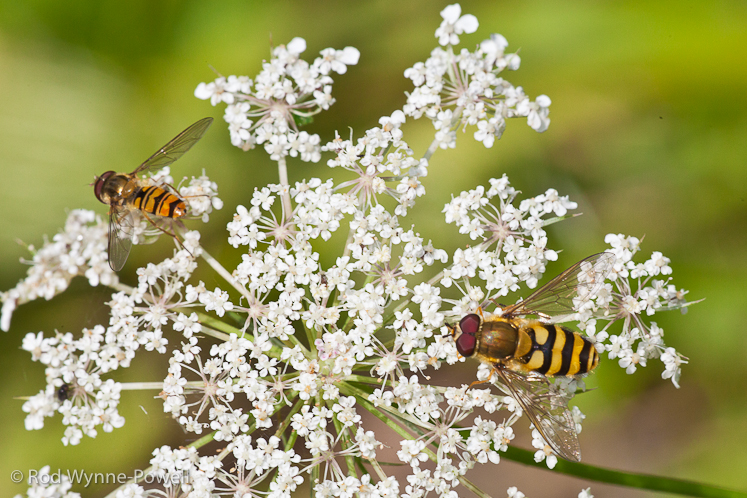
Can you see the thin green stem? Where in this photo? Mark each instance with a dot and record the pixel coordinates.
(214, 333)
(224, 273)
(283, 174)
(628, 479)
(135, 386)
(363, 379)
(216, 324)
(345, 443)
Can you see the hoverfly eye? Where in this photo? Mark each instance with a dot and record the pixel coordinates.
(99, 186)
(465, 344)
(470, 324)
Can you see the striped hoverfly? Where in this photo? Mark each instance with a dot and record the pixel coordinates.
(131, 198)
(524, 352)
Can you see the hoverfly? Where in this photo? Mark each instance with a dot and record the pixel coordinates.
(129, 196)
(525, 352)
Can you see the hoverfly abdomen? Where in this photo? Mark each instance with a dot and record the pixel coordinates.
(159, 201)
(557, 351)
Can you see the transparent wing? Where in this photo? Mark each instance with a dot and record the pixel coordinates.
(176, 147)
(546, 408)
(155, 227)
(121, 229)
(576, 285)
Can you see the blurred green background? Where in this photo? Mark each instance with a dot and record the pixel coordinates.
(648, 134)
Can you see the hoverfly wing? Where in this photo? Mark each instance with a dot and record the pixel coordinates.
(546, 409)
(121, 228)
(575, 286)
(176, 148)
(163, 225)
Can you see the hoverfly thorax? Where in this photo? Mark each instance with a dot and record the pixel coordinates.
(111, 188)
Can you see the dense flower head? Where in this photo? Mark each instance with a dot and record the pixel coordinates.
(266, 110)
(634, 294)
(456, 90)
(280, 358)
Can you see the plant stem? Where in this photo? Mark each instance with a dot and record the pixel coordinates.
(134, 386)
(224, 273)
(283, 174)
(628, 479)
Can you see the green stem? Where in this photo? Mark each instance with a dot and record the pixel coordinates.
(133, 386)
(363, 379)
(216, 324)
(628, 479)
(285, 196)
(345, 443)
(590, 472)
(224, 273)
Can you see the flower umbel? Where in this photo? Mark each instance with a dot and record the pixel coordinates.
(288, 90)
(286, 356)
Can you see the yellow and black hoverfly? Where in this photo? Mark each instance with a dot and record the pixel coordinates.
(127, 195)
(524, 352)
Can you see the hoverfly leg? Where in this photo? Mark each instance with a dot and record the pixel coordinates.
(171, 234)
(493, 371)
(499, 306)
(478, 382)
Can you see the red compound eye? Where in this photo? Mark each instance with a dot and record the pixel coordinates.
(470, 324)
(466, 342)
(99, 185)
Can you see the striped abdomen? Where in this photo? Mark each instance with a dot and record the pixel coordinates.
(553, 350)
(158, 201)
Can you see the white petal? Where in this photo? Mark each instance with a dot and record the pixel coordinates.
(451, 13)
(543, 101)
(350, 56)
(466, 24)
(296, 46)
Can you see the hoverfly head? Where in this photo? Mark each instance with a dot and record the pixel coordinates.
(468, 327)
(98, 185)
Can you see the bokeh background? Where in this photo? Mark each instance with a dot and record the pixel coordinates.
(648, 134)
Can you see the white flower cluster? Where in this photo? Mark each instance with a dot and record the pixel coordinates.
(80, 249)
(74, 365)
(298, 345)
(201, 196)
(635, 293)
(287, 92)
(380, 157)
(74, 384)
(457, 90)
(513, 246)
